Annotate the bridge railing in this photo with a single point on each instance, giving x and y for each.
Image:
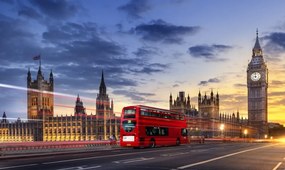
(25, 148)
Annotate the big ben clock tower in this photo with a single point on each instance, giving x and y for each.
(257, 84)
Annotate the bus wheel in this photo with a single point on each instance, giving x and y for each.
(177, 141)
(152, 143)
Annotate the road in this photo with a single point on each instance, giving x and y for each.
(233, 156)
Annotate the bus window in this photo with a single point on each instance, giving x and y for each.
(129, 113)
(129, 125)
(144, 113)
(156, 131)
(164, 131)
(184, 132)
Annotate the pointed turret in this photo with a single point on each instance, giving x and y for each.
(199, 97)
(212, 95)
(188, 101)
(51, 77)
(257, 51)
(102, 87)
(79, 108)
(40, 76)
(170, 100)
(4, 118)
(29, 78)
(78, 98)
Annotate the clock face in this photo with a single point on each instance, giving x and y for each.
(255, 76)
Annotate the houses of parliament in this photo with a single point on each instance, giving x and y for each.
(207, 121)
(42, 125)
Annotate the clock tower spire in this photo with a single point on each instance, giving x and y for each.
(257, 85)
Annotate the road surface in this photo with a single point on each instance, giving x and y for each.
(233, 156)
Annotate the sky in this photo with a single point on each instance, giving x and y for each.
(148, 49)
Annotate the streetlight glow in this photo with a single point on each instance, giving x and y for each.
(222, 127)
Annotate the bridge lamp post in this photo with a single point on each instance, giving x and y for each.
(222, 128)
(245, 133)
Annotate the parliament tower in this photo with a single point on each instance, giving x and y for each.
(257, 85)
(105, 117)
(40, 99)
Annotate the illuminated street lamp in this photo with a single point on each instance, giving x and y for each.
(265, 136)
(245, 132)
(222, 128)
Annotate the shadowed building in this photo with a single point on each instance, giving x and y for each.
(181, 104)
(209, 106)
(207, 121)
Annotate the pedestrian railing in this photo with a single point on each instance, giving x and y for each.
(26, 148)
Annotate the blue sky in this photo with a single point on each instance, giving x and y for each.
(147, 49)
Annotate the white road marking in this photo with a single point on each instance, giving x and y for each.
(174, 154)
(277, 166)
(221, 157)
(80, 168)
(137, 160)
(19, 166)
(132, 160)
(105, 156)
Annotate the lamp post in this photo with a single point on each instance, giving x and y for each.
(245, 133)
(222, 128)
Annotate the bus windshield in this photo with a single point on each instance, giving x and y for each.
(129, 125)
(129, 113)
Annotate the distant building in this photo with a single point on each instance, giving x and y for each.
(181, 104)
(209, 106)
(207, 121)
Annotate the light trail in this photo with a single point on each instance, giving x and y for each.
(45, 92)
(57, 94)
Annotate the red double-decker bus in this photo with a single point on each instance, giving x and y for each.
(144, 126)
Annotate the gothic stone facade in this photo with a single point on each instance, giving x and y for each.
(42, 125)
(207, 120)
(257, 85)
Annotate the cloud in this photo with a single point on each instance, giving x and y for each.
(135, 96)
(240, 85)
(208, 52)
(277, 83)
(276, 38)
(146, 51)
(211, 80)
(56, 9)
(14, 34)
(10, 2)
(135, 8)
(86, 49)
(160, 31)
(29, 13)
(175, 85)
(151, 68)
(275, 45)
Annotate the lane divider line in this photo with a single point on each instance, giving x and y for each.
(277, 166)
(19, 166)
(221, 157)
